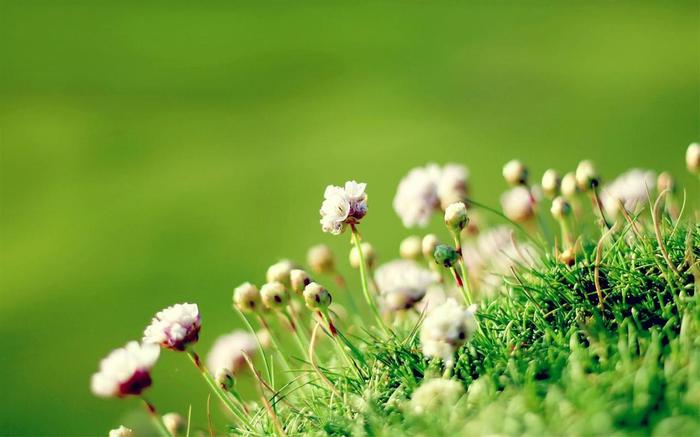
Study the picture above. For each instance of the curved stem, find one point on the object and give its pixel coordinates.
(363, 277)
(156, 418)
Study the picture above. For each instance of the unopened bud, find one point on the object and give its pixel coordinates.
(224, 378)
(515, 173)
(246, 297)
(410, 247)
(320, 259)
(560, 208)
(456, 217)
(551, 182)
(122, 431)
(517, 204)
(279, 272)
(428, 245)
(368, 253)
(174, 423)
(299, 279)
(569, 188)
(665, 182)
(586, 176)
(445, 255)
(692, 158)
(316, 297)
(274, 295)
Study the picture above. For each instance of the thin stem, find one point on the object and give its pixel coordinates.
(460, 284)
(466, 286)
(156, 418)
(599, 204)
(363, 277)
(276, 345)
(257, 339)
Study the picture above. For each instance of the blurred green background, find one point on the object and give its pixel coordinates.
(160, 153)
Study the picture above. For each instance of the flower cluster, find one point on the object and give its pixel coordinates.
(227, 351)
(446, 328)
(175, 327)
(402, 283)
(125, 371)
(343, 206)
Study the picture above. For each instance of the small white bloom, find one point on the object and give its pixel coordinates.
(631, 188)
(410, 247)
(175, 327)
(586, 175)
(446, 328)
(320, 258)
(316, 297)
(279, 271)
(560, 208)
(122, 431)
(569, 187)
(453, 185)
(343, 206)
(246, 297)
(227, 351)
(125, 371)
(434, 394)
(402, 283)
(174, 423)
(367, 252)
(274, 295)
(551, 182)
(456, 217)
(515, 173)
(517, 204)
(692, 158)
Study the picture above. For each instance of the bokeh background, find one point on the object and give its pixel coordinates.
(160, 153)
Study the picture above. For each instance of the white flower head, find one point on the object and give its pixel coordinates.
(692, 158)
(402, 283)
(227, 351)
(518, 204)
(274, 295)
(343, 206)
(551, 182)
(515, 173)
(125, 371)
(569, 186)
(434, 394)
(246, 297)
(631, 188)
(122, 431)
(175, 327)
(587, 175)
(453, 185)
(446, 328)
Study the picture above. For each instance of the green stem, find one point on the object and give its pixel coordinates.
(363, 277)
(218, 391)
(156, 418)
(466, 287)
(257, 340)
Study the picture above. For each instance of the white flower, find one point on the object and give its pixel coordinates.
(125, 371)
(456, 217)
(402, 283)
(517, 204)
(227, 351)
(122, 431)
(631, 188)
(175, 327)
(446, 328)
(426, 189)
(343, 206)
(434, 394)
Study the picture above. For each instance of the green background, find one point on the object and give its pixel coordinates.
(160, 153)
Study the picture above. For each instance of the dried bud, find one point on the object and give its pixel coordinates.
(320, 259)
(367, 252)
(586, 176)
(445, 255)
(224, 378)
(569, 188)
(316, 297)
(692, 158)
(274, 295)
(174, 423)
(428, 245)
(299, 280)
(560, 208)
(410, 247)
(246, 297)
(551, 182)
(122, 431)
(515, 173)
(665, 182)
(456, 217)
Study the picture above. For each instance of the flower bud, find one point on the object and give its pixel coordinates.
(515, 173)
(316, 297)
(517, 204)
(174, 423)
(274, 295)
(586, 176)
(456, 216)
(569, 188)
(445, 255)
(299, 279)
(568, 256)
(367, 252)
(246, 297)
(320, 259)
(410, 247)
(122, 431)
(692, 158)
(279, 272)
(560, 208)
(551, 182)
(665, 182)
(224, 378)
(428, 245)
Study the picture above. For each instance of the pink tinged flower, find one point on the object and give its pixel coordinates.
(175, 327)
(402, 283)
(631, 189)
(125, 371)
(343, 206)
(227, 351)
